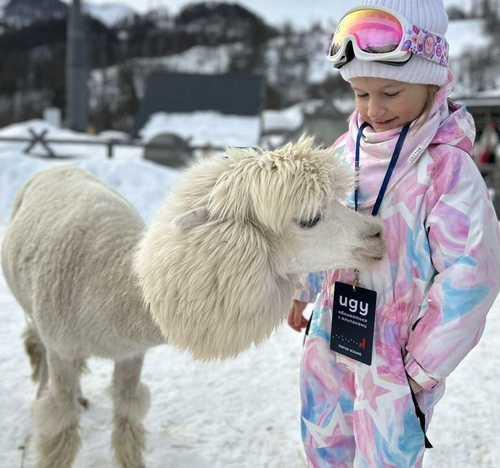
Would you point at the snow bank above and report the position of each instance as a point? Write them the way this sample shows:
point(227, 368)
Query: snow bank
point(62, 149)
point(144, 183)
point(205, 128)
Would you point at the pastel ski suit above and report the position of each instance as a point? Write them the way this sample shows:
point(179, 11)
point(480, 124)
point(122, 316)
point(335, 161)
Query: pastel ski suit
point(434, 288)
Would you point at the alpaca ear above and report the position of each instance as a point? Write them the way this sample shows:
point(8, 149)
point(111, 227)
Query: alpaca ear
point(191, 219)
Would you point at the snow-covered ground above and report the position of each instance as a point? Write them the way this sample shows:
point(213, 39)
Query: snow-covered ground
point(241, 413)
point(69, 151)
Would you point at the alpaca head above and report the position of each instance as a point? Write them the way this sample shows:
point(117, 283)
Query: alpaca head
point(219, 266)
point(293, 196)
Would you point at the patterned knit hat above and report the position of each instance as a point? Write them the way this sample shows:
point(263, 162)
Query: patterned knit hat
point(427, 14)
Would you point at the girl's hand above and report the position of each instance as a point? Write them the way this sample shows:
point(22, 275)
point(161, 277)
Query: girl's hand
point(296, 319)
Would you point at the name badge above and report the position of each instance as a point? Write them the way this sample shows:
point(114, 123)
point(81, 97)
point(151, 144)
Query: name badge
point(353, 320)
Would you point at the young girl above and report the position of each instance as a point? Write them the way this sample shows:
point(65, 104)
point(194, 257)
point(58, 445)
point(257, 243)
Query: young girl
point(381, 342)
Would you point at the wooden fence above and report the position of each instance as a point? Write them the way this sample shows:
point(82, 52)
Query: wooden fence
point(41, 138)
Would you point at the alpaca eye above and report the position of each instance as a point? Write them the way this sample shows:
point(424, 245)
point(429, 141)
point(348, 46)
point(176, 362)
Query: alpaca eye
point(310, 223)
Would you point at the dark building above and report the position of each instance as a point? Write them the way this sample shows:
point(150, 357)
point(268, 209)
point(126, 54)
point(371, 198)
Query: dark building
point(231, 94)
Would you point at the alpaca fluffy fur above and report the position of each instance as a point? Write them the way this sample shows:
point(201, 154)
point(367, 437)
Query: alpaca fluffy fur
point(211, 275)
point(224, 272)
point(67, 257)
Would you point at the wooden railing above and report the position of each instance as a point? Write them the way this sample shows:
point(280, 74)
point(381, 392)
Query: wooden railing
point(42, 139)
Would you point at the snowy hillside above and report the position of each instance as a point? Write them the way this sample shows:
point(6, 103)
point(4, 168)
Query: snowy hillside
point(277, 12)
point(109, 14)
point(243, 413)
point(23, 12)
point(298, 13)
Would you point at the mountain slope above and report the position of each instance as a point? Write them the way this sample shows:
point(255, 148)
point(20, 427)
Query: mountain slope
point(21, 13)
point(109, 14)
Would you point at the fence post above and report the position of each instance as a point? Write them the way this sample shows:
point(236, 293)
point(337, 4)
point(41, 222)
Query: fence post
point(109, 145)
point(39, 138)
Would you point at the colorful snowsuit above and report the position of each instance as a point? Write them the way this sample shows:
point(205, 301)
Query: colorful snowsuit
point(440, 276)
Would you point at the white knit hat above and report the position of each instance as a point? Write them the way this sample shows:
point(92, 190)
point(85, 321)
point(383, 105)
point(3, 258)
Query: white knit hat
point(427, 14)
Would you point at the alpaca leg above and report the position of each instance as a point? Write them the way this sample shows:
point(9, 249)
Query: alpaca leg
point(131, 403)
point(84, 403)
point(35, 349)
point(44, 378)
point(55, 415)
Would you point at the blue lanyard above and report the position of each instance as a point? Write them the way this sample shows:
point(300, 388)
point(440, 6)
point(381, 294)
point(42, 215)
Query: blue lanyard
point(390, 168)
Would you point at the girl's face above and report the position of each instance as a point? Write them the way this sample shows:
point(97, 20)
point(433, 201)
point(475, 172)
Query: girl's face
point(387, 104)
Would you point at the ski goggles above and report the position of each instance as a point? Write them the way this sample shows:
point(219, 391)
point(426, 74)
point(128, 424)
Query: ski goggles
point(378, 34)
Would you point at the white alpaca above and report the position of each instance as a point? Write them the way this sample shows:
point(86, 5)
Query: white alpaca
point(213, 274)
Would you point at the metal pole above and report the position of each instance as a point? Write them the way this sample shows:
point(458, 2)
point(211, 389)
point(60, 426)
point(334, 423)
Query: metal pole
point(110, 145)
point(77, 70)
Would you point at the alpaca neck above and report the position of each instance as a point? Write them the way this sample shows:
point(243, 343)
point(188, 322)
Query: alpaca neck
point(133, 316)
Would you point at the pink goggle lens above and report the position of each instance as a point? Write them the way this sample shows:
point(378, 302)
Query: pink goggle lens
point(374, 31)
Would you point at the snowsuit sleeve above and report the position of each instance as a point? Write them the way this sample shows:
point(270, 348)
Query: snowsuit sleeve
point(311, 288)
point(464, 241)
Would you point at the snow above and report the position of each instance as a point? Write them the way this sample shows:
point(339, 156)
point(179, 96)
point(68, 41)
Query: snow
point(109, 14)
point(346, 104)
point(292, 118)
point(197, 59)
point(286, 119)
point(203, 128)
point(466, 36)
point(243, 413)
point(124, 172)
point(62, 149)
